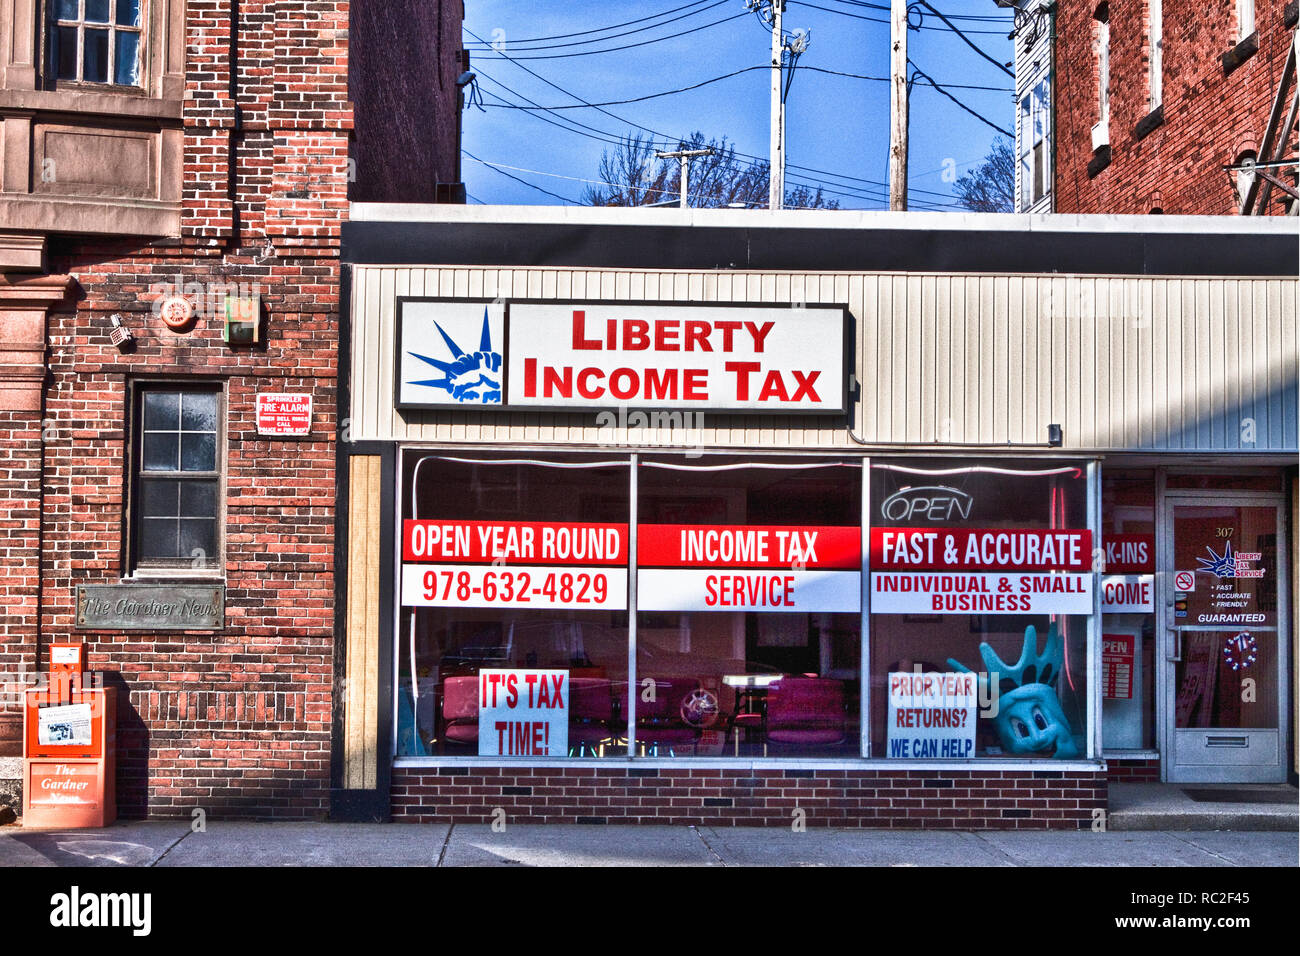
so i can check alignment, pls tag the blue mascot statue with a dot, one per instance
(1029, 718)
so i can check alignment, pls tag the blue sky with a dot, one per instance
(836, 125)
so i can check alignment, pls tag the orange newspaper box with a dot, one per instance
(69, 748)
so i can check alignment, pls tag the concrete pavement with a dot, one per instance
(167, 843)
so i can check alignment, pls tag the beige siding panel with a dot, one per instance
(361, 693)
(1120, 362)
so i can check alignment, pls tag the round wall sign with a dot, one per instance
(176, 311)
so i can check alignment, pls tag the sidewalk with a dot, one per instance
(172, 843)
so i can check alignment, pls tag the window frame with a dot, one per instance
(178, 568)
(1103, 68)
(392, 633)
(1036, 162)
(53, 22)
(1245, 19)
(1155, 58)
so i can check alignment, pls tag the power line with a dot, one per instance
(625, 46)
(517, 44)
(916, 72)
(565, 36)
(858, 16)
(965, 39)
(648, 96)
(609, 138)
(954, 16)
(563, 199)
(885, 79)
(663, 137)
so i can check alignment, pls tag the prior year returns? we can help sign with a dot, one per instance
(931, 715)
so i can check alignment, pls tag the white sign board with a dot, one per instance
(450, 354)
(523, 713)
(1128, 594)
(478, 585)
(800, 592)
(765, 359)
(925, 592)
(931, 715)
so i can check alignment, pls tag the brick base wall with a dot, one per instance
(897, 799)
(1133, 771)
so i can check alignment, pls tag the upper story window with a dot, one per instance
(97, 41)
(1103, 64)
(1035, 144)
(1245, 19)
(1155, 22)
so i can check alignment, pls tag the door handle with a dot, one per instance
(1175, 646)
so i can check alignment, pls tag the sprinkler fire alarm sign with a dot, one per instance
(283, 415)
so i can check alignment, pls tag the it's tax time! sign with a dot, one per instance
(523, 713)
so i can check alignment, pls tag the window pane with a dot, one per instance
(198, 499)
(161, 411)
(199, 412)
(198, 534)
(126, 71)
(533, 612)
(983, 569)
(749, 586)
(159, 499)
(97, 11)
(67, 53)
(69, 9)
(128, 14)
(198, 452)
(95, 61)
(158, 539)
(160, 451)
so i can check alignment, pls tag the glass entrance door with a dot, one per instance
(1225, 621)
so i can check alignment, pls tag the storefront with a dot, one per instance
(811, 519)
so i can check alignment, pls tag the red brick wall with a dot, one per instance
(20, 455)
(235, 722)
(899, 799)
(1209, 118)
(1133, 771)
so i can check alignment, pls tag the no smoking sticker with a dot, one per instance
(1184, 581)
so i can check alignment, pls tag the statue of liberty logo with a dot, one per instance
(471, 378)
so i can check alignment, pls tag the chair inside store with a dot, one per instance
(460, 711)
(661, 728)
(805, 712)
(593, 717)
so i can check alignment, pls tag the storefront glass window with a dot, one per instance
(1128, 645)
(981, 592)
(749, 597)
(514, 638)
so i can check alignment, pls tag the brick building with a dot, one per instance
(199, 153)
(1136, 106)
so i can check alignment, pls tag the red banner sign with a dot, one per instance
(1130, 553)
(749, 546)
(971, 549)
(514, 542)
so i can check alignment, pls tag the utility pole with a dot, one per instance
(898, 105)
(684, 156)
(770, 13)
(776, 152)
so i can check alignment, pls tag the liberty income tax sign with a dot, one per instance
(580, 355)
